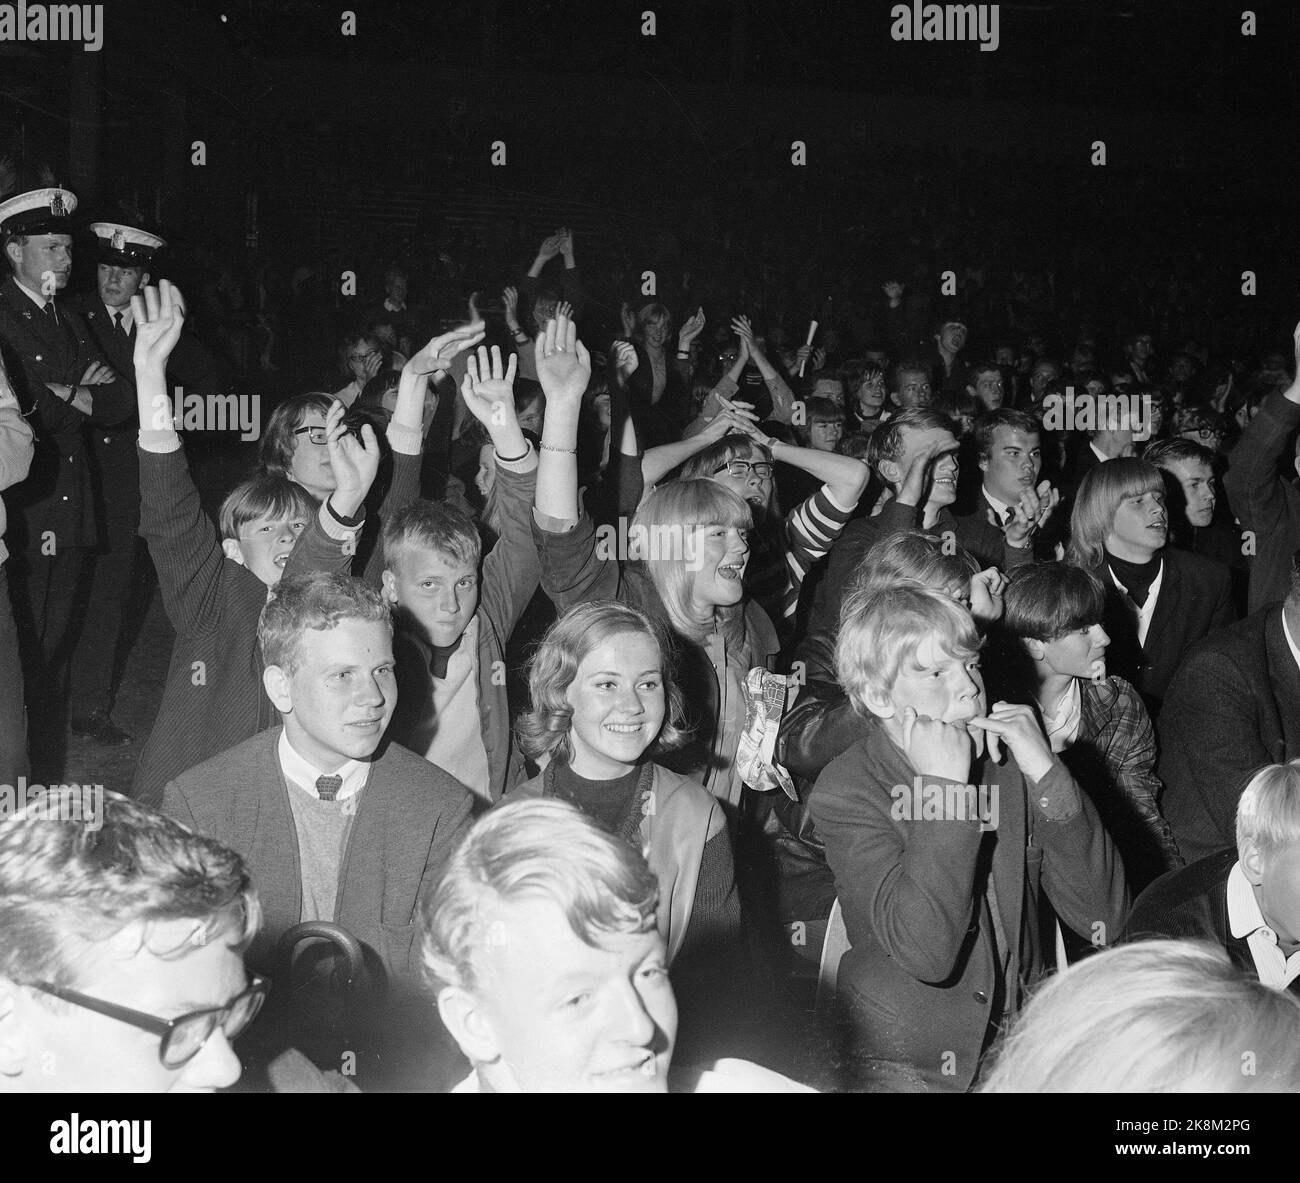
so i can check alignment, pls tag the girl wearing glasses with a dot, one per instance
(785, 546)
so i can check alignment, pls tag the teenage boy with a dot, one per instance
(943, 851)
(549, 967)
(453, 620)
(121, 955)
(214, 589)
(335, 823)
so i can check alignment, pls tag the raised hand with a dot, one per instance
(565, 309)
(355, 461)
(1032, 513)
(370, 367)
(935, 748)
(986, 590)
(436, 357)
(629, 321)
(489, 392)
(551, 246)
(691, 329)
(563, 363)
(159, 315)
(1015, 725)
(625, 358)
(510, 302)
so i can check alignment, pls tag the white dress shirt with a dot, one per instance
(302, 774)
(1147, 610)
(1245, 919)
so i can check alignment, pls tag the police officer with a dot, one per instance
(62, 381)
(122, 571)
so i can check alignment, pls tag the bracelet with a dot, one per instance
(560, 451)
(349, 523)
(683, 355)
(521, 337)
(528, 451)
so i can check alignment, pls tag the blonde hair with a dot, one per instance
(1152, 1017)
(537, 849)
(546, 726)
(880, 631)
(1103, 490)
(674, 511)
(1268, 812)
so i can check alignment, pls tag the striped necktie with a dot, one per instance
(328, 787)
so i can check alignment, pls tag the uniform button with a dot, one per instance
(108, 439)
(65, 499)
(980, 996)
(39, 357)
(1043, 802)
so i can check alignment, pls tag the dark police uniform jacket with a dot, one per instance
(57, 495)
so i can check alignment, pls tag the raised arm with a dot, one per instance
(782, 395)
(1257, 494)
(563, 369)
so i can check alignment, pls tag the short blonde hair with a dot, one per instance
(880, 631)
(1152, 1017)
(1268, 812)
(535, 849)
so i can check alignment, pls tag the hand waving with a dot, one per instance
(159, 316)
(436, 357)
(563, 363)
(355, 461)
(488, 393)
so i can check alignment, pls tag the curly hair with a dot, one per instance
(579, 632)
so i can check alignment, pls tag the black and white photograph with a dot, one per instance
(722, 547)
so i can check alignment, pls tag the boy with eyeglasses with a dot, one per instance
(121, 955)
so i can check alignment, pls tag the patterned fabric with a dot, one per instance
(810, 531)
(328, 787)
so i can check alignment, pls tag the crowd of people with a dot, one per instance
(583, 683)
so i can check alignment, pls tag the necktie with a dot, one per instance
(119, 323)
(328, 787)
(51, 312)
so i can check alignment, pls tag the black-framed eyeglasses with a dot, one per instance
(184, 1036)
(364, 357)
(742, 468)
(317, 435)
(1209, 433)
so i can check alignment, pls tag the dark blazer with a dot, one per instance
(410, 820)
(924, 984)
(1233, 707)
(1195, 600)
(214, 697)
(1192, 904)
(58, 494)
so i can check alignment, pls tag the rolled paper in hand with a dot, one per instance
(812, 332)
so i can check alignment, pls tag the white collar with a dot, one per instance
(1096, 451)
(1290, 640)
(998, 504)
(124, 314)
(300, 772)
(1244, 916)
(388, 303)
(35, 297)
